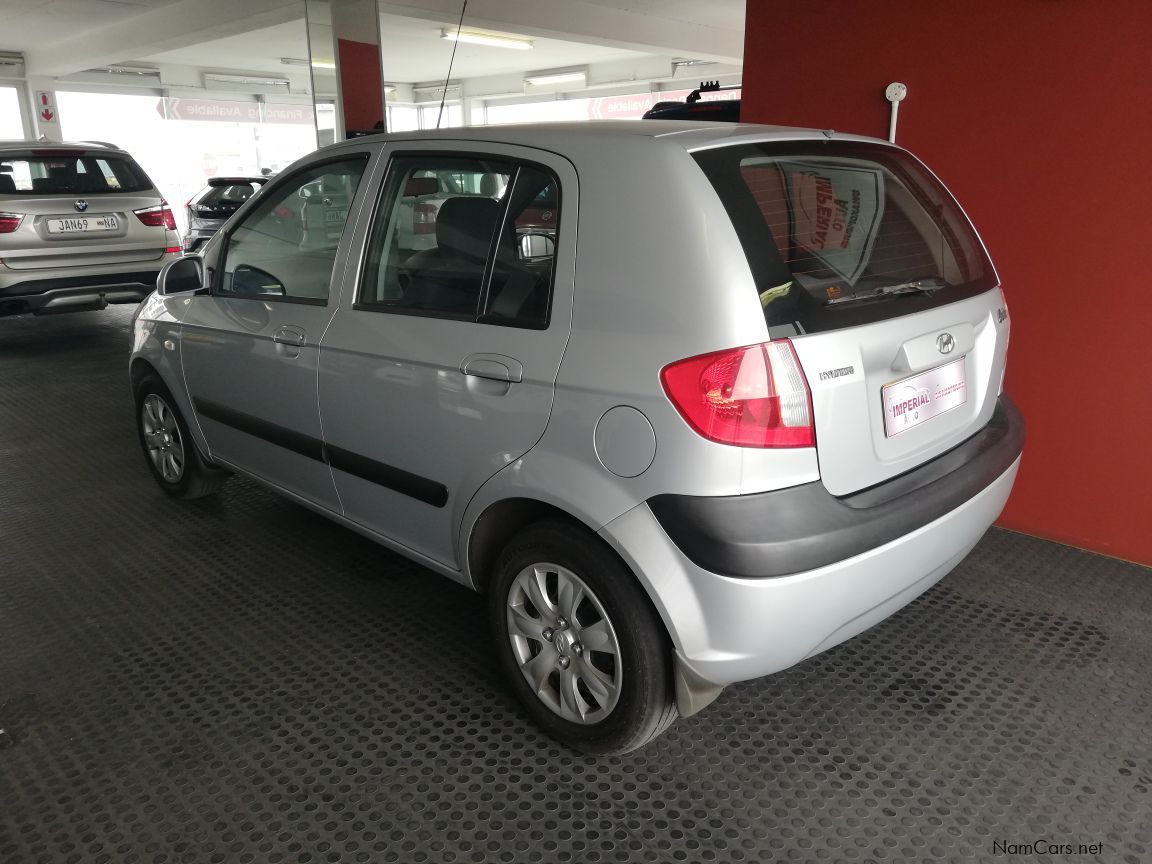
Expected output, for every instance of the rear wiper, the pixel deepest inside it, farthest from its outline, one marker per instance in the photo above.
(916, 286)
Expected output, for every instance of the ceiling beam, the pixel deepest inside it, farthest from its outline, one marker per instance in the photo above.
(167, 28)
(584, 21)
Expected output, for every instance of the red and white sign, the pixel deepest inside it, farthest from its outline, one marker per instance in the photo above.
(213, 109)
(229, 111)
(46, 106)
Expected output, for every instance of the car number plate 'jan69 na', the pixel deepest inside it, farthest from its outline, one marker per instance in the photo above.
(919, 398)
(83, 224)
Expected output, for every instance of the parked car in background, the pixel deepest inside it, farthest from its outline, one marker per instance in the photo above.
(210, 208)
(695, 108)
(676, 450)
(81, 226)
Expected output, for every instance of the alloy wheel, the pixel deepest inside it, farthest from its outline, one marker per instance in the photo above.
(564, 643)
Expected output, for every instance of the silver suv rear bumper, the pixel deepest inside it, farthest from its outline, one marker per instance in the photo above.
(76, 293)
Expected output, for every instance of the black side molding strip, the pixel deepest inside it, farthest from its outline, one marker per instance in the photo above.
(305, 445)
(396, 479)
(804, 527)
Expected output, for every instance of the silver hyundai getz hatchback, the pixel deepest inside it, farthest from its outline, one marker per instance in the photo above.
(689, 404)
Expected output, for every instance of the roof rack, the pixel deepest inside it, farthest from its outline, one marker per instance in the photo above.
(708, 87)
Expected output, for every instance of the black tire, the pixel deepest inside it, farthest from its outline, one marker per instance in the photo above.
(645, 706)
(195, 479)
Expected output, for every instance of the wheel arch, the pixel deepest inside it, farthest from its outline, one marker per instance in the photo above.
(138, 370)
(495, 527)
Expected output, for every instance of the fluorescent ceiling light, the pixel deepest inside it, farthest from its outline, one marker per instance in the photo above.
(299, 61)
(261, 80)
(435, 92)
(544, 79)
(492, 40)
(126, 70)
(11, 58)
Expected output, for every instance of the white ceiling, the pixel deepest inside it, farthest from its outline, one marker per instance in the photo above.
(28, 23)
(412, 51)
(620, 40)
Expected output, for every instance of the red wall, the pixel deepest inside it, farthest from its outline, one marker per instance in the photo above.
(360, 85)
(1036, 113)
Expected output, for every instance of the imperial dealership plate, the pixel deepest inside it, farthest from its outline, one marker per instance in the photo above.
(921, 397)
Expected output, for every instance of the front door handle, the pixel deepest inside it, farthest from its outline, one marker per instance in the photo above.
(287, 335)
(494, 367)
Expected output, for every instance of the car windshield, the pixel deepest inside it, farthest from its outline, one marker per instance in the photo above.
(843, 233)
(70, 172)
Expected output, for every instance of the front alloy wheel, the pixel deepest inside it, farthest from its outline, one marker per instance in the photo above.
(162, 439)
(168, 445)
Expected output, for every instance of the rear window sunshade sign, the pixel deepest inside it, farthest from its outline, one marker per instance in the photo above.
(834, 214)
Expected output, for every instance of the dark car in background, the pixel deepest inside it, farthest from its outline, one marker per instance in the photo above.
(210, 208)
(695, 107)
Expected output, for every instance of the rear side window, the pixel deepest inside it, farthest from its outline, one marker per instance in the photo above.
(467, 238)
(841, 234)
(70, 173)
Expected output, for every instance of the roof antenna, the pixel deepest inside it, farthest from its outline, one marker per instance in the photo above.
(455, 45)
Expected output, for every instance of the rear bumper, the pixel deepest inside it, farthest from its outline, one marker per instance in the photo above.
(805, 527)
(733, 628)
(77, 293)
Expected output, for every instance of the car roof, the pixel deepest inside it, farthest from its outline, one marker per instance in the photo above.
(13, 146)
(233, 179)
(582, 135)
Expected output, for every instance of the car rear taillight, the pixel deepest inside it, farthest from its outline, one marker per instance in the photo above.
(168, 250)
(157, 217)
(9, 222)
(424, 219)
(754, 396)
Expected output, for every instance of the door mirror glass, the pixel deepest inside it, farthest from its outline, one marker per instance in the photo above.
(535, 245)
(182, 276)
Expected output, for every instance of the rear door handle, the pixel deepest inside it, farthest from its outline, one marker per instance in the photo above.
(293, 336)
(494, 367)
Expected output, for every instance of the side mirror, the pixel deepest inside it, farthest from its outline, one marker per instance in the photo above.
(536, 245)
(183, 276)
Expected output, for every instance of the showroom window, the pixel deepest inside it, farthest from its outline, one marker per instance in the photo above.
(10, 126)
(182, 142)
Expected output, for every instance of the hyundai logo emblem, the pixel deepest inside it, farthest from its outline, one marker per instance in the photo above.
(945, 343)
(81, 205)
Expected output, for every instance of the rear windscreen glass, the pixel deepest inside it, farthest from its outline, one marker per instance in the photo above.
(840, 234)
(70, 174)
(219, 198)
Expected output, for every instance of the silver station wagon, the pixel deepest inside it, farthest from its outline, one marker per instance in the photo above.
(689, 403)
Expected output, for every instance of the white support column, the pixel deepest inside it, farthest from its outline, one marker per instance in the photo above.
(24, 100)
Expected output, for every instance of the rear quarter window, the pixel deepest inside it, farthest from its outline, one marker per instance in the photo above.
(845, 233)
